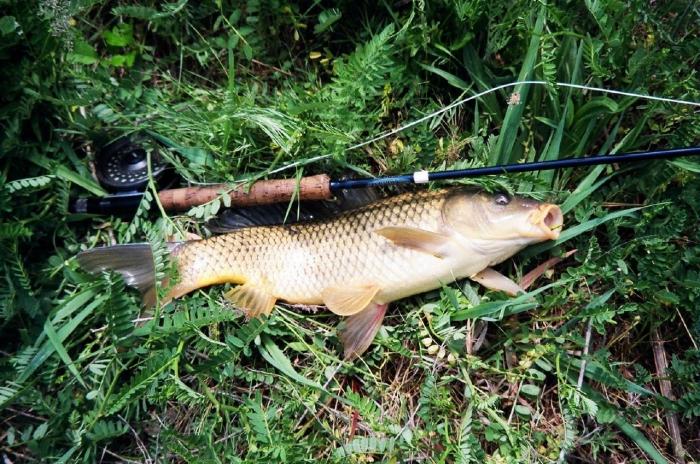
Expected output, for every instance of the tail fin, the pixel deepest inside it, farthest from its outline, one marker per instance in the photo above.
(133, 261)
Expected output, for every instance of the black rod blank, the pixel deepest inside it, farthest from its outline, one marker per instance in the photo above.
(519, 167)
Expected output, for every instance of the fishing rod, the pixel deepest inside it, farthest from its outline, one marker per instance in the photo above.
(319, 187)
(122, 168)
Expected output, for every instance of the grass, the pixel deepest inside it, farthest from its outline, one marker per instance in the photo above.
(238, 90)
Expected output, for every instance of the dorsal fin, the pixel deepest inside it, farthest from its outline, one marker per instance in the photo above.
(283, 213)
(265, 215)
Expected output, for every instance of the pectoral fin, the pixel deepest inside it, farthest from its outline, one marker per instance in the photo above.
(255, 299)
(497, 281)
(359, 330)
(346, 301)
(417, 239)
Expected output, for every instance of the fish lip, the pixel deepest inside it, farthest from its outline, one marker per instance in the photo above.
(549, 219)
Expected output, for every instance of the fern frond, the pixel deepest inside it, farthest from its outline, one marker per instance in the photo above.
(365, 445)
(187, 320)
(145, 13)
(548, 56)
(8, 392)
(21, 360)
(258, 419)
(427, 392)
(119, 311)
(160, 252)
(104, 429)
(7, 295)
(29, 183)
(464, 450)
(360, 76)
(246, 334)
(154, 367)
(689, 404)
(17, 269)
(134, 226)
(149, 14)
(14, 230)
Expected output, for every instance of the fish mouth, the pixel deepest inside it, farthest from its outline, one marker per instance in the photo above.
(549, 219)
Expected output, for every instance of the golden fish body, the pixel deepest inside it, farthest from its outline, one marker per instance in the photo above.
(297, 263)
(355, 263)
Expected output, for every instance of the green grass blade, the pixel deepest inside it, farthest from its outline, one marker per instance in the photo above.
(449, 77)
(687, 165)
(640, 439)
(68, 175)
(577, 230)
(475, 68)
(585, 189)
(588, 185)
(504, 308)
(48, 348)
(509, 130)
(61, 351)
(68, 308)
(610, 414)
(272, 354)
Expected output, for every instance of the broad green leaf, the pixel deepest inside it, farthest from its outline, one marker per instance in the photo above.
(120, 35)
(83, 53)
(530, 390)
(326, 19)
(8, 25)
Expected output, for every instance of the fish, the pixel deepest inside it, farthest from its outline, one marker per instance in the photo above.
(355, 263)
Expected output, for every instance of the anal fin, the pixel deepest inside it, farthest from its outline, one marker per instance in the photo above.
(255, 299)
(358, 331)
(346, 301)
(494, 280)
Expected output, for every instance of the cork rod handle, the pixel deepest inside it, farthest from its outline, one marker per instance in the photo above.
(262, 192)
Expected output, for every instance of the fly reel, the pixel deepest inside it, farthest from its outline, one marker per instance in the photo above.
(122, 166)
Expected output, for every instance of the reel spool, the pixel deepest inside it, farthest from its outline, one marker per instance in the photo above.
(122, 166)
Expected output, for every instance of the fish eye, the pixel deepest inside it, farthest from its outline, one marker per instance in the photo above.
(501, 199)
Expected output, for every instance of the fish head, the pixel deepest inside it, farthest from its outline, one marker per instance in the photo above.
(502, 218)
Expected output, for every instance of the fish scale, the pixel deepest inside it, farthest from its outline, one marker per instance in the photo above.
(299, 261)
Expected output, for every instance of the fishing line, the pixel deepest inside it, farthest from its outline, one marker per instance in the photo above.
(461, 102)
(322, 187)
(513, 84)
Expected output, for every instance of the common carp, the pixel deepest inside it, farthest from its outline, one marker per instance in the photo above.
(355, 263)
